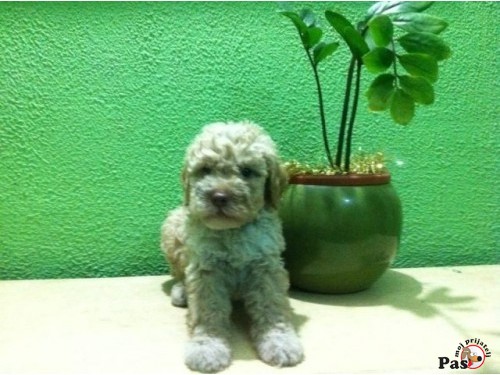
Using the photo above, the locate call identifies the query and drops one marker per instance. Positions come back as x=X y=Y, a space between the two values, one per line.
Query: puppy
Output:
x=226 y=241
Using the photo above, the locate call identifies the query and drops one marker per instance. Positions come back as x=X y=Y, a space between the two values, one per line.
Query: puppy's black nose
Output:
x=479 y=358
x=219 y=199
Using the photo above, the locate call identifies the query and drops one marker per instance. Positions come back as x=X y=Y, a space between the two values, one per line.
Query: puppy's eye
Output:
x=205 y=170
x=247 y=172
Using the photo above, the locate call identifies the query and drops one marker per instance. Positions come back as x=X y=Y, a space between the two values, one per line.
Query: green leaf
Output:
x=428 y=43
x=304 y=22
x=397 y=7
x=352 y=37
x=378 y=60
x=299 y=24
x=323 y=50
x=381 y=30
x=313 y=36
x=420 y=22
x=418 y=88
x=380 y=92
x=308 y=17
x=376 y=8
x=421 y=65
x=297 y=21
x=356 y=42
x=402 y=107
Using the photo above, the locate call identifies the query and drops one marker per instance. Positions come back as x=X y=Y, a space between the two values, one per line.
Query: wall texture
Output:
x=99 y=100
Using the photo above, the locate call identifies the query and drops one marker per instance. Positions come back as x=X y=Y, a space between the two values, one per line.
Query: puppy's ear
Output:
x=464 y=353
x=185 y=185
x=277 y=181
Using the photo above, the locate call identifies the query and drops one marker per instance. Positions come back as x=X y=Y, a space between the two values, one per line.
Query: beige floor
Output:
x=127 y=326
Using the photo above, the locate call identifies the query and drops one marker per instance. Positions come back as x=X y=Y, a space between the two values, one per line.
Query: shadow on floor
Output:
x=393 y=289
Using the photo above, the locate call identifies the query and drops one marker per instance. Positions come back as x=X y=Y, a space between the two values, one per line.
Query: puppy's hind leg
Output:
x=178 y=294
x=173 y=239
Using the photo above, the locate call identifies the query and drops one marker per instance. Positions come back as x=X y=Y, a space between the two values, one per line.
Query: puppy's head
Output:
x=231 y=172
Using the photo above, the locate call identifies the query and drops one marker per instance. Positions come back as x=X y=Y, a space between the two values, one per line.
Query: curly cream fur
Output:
x=226 y=241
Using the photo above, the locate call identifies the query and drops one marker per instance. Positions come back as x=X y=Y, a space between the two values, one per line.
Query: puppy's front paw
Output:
x=207 y=354
x=280 y=347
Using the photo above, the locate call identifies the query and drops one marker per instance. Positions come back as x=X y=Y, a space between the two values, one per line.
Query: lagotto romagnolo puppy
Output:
x=226 y=241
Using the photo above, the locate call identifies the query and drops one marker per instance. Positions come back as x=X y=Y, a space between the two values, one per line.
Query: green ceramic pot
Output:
x=341 y=232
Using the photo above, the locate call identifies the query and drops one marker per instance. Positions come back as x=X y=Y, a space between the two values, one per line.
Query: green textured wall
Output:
x=99 y=100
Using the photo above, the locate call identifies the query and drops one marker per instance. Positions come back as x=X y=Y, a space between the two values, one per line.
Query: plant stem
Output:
x=352 y=118
x=321 y=108
x=345 y=111
x=395 y=62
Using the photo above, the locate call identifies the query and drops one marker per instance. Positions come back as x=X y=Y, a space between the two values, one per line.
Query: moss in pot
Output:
x=342 y=223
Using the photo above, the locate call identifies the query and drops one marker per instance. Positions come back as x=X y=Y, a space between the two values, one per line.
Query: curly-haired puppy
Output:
x=226 y=241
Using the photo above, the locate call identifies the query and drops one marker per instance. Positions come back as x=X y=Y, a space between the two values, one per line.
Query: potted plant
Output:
x=342 y=223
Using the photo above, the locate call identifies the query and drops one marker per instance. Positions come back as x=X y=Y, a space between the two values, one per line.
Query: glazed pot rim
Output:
x=341 y=180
